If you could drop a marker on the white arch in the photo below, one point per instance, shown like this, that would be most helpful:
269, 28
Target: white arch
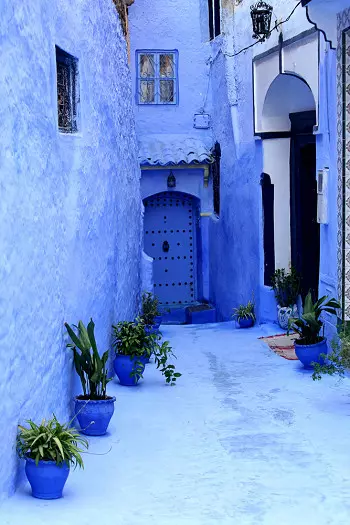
287, 94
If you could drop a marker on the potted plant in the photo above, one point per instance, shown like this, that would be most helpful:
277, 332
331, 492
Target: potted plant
338, 361
310, 346
151, 315
93, 408
287, 288
245, 315
50, 449
133, 346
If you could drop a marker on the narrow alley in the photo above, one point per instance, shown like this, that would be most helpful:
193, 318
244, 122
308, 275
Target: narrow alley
245, 438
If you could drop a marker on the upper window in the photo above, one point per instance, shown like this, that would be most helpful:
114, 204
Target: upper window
214, 18
157, 78
67, 91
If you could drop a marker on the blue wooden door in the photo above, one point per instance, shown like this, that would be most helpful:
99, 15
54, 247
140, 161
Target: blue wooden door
169, 238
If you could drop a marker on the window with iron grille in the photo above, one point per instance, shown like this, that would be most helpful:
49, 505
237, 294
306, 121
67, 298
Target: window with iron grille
216, 178
67, 91
157, 77
214, 18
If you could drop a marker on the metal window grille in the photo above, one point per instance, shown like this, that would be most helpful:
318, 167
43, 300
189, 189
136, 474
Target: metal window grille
67, 93
214, 11
157, 77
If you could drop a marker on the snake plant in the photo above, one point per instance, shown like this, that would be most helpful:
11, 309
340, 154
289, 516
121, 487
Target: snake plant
90, 366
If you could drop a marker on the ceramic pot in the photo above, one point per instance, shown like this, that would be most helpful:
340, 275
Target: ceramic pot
124, 365
308, 354
47, 479
246, 323
94, 415
284, 313
157, 321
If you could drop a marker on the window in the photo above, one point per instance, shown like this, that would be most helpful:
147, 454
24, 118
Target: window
67, 91
216, 178
157, 81
214, 18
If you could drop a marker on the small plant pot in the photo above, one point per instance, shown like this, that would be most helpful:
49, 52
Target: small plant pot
47, 479
151, 329
124, 366
94, 415
246, 323
308, 354
145, 359
284, 313
157, 321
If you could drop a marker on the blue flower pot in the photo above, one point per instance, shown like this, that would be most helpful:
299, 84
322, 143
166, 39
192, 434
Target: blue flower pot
308, 354
144, 359
124, 365
157, 321
246, 323
151, 329
47, 479
94, 416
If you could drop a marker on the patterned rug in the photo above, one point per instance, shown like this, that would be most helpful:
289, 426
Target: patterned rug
282, 344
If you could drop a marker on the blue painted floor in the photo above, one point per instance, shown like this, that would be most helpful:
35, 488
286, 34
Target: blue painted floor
245, 438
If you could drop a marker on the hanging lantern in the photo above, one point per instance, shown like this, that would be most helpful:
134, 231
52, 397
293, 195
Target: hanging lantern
261, 14
171, 182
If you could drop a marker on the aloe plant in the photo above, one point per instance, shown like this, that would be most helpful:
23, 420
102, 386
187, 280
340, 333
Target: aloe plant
51, 441
309, 326
90, 366
245, 312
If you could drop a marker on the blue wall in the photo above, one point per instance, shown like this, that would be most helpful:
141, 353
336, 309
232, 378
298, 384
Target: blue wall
234, 236
65, 203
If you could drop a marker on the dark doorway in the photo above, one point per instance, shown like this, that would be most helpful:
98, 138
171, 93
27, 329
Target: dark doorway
268, 197
305, 231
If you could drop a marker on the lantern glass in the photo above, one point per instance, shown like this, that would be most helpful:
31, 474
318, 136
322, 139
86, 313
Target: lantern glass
261, 14
171, 182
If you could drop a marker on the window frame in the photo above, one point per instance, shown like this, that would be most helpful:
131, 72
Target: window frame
71, 62
157, 78
214, 18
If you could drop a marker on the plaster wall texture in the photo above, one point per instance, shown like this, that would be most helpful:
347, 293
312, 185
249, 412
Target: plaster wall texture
168, 25
70, 239
234, 236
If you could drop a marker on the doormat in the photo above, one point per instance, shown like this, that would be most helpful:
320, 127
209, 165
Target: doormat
282, 344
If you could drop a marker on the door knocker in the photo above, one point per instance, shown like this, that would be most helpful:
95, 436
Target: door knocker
166, 246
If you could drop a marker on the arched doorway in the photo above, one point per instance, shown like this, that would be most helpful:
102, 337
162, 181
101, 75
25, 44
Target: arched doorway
289, 146
170, 239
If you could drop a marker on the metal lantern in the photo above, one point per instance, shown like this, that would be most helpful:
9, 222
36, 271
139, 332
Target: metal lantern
171, 182
261, 14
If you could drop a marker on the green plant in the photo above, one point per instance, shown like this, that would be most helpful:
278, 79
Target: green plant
286, 286
245, 312
51, 441
309, 326
150, 308
90, 367
132, 338
338, 360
